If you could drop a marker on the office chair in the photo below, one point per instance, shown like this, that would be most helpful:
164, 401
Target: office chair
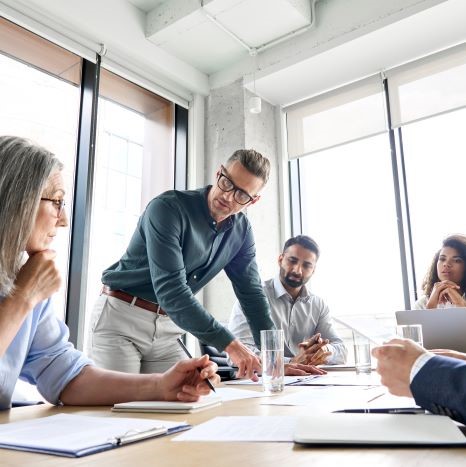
225, 371
25, 403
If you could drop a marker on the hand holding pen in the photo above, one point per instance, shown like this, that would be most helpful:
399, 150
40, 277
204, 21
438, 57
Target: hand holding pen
186, 351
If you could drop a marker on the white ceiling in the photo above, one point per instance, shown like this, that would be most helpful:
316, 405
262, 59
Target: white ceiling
415, 36
214, 34
146, 5
340, 47
175, 44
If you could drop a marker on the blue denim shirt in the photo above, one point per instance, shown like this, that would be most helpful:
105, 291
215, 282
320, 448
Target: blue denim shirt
177, 249
40, 354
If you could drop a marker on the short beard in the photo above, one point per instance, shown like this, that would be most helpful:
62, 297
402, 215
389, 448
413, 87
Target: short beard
292, 282
287, 279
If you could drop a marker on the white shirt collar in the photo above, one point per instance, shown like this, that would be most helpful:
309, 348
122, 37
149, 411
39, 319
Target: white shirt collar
279, 290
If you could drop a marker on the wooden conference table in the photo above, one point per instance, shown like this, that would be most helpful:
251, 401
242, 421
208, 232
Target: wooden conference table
163, 452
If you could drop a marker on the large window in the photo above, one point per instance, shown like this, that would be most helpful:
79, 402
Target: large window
39, 96
39, 100
134, 162
348, 207
435, 166
380, 206
42, 98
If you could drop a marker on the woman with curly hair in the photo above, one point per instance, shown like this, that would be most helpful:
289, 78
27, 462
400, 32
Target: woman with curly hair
445, 283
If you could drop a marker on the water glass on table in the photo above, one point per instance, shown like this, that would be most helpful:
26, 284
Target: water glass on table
410, 331
273, 364
362, 353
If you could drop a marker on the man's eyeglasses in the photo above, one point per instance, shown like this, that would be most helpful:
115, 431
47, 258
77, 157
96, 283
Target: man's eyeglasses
58, 203
225, 184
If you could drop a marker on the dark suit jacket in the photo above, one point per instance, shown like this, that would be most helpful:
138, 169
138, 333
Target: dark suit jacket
440, 387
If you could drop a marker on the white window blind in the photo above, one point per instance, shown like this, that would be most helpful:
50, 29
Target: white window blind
346, 114
429, 86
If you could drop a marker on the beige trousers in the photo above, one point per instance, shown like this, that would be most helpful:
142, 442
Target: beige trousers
131, 339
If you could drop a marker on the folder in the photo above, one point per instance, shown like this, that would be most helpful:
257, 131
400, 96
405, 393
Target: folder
167, 406
78, 435
378, 430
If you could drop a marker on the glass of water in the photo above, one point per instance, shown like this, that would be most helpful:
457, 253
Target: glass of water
411, 331
273, 364
362, 353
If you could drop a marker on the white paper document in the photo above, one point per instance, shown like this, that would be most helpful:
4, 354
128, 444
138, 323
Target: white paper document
288, 380
245, 428
233, 394
348, 429
325, 399
368, 328
342, 379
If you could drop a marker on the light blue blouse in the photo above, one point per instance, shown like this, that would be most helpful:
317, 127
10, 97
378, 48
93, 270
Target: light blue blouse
40, 354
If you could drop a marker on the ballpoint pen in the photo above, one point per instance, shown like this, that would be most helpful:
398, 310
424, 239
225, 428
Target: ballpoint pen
186, 351
412, 410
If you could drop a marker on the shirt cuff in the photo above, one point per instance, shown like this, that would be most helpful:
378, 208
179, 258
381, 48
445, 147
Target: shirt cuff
418, 364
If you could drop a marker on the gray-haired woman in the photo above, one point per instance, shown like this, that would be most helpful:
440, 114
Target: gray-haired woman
33, 342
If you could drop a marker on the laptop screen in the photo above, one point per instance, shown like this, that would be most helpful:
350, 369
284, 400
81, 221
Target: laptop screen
442, 328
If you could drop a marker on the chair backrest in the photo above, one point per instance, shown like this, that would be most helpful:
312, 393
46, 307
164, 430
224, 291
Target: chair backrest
225, 371
24, 403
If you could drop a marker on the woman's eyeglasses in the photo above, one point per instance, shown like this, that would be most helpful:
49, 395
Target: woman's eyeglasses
58, 203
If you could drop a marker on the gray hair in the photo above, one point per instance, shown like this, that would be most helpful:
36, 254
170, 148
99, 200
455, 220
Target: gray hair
24, 170
253, 162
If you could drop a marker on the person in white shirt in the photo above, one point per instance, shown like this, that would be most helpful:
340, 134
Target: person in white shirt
310, 338
445, 283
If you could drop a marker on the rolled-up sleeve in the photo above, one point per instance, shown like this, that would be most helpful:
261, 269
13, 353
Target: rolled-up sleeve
52, 362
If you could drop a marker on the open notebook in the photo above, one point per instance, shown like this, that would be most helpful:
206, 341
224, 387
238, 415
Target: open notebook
167, 407
378, 429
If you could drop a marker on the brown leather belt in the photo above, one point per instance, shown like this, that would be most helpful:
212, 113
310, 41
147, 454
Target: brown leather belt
140, 302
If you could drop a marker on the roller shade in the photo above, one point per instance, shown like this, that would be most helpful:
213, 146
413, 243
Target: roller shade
346, 114
429, 86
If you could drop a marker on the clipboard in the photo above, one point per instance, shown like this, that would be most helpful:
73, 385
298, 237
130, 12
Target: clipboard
71, 435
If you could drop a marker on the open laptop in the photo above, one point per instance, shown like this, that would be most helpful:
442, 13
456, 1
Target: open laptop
442, 328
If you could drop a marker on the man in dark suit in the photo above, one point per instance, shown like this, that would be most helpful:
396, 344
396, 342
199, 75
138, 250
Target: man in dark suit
437, 383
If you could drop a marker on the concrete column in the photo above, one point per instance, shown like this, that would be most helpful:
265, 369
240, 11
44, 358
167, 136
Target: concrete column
230, 126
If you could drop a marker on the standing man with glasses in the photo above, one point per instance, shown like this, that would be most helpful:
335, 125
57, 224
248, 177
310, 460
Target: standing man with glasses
182, 240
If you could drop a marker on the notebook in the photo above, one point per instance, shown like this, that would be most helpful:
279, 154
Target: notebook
378, 429
442, 328
79, 435
167, 407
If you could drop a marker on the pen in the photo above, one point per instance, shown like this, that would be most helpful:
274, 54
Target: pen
137, 435
392, 411
186, 351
